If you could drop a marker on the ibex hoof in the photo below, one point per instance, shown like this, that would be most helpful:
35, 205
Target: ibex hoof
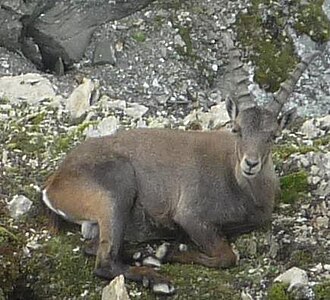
103, 273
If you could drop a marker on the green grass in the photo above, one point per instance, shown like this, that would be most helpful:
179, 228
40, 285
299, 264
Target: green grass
293, 186
278, 292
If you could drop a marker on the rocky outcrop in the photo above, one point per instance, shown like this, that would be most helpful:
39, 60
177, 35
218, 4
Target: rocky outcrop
30, 87
58, 32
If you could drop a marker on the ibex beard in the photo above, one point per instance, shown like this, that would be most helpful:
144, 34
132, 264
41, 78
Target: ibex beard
211, 185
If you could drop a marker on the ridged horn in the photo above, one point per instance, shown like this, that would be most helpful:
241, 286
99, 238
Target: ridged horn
287, 86
239, 76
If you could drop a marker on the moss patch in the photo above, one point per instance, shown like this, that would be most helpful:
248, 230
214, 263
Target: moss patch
271, 52
262, 32
292, 186
10, 262
322, 291
301, 258
323, 141
278, 292
63, 257
282, 152
194, 281
313, 21
139, 36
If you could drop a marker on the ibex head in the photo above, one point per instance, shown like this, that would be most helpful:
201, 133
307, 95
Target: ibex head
255, 129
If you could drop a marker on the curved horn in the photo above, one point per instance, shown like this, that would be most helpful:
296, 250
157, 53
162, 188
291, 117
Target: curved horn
287, 86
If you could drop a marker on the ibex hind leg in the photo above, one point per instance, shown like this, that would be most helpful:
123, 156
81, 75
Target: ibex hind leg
121, 192
215, 250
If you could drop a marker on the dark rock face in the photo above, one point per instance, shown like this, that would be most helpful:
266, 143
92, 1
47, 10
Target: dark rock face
11, 29
55, 34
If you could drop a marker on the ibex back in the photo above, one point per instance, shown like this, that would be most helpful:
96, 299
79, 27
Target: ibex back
212, 185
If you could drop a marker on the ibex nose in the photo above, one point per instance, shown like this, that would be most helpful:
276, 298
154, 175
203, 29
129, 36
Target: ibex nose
251, 163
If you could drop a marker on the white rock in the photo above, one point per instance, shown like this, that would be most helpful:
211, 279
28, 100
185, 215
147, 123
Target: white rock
163, 288
79, 100
107, 126
323, 189
33, 245
141, 124
179, 41
304, 161
216, 117
136, 111
326, 267
29, 87
322, 222
315, 180
117, 104
4, 156
155, 83
310, 130
315, 170
89, 230
214, 67
115, 290
137, 255
146, 85
183, 247
325, 122
294, 277
317, 268
159, 122
246, 296
193, 116
19, 206
219, 114
162, 251
326, 158
151, 262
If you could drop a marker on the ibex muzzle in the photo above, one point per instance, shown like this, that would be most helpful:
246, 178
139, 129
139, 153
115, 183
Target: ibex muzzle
255, 129
210, 185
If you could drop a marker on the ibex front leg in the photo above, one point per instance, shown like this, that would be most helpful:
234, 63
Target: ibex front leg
215, 252
108, 263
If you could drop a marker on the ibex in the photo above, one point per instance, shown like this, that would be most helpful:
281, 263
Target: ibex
211, 185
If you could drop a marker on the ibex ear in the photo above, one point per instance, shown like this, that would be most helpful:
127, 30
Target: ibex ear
286, 118
232, 108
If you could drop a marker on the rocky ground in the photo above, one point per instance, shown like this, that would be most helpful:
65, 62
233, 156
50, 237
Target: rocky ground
167, 68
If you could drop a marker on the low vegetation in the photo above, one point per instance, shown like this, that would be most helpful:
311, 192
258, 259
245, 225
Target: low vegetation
262, 31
